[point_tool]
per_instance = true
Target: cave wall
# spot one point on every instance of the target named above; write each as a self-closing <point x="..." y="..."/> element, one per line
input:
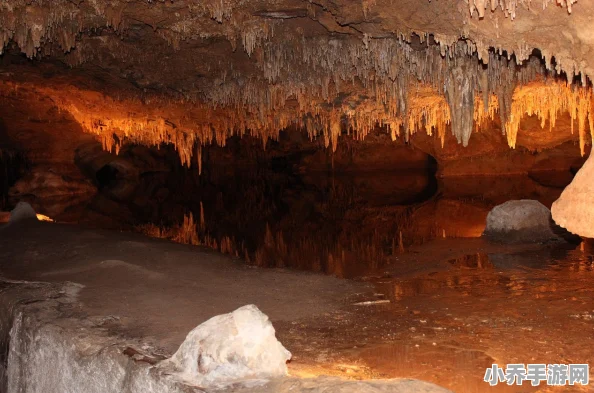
<point x="46" y="140"/>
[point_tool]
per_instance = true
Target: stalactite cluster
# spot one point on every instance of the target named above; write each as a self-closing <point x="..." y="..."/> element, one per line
<point x="547" y="102"/>
<point x="41" y="27"/>
<point x="327" y="83"/>
<point x="188" y="126"/>
<point x="509" y="6"/>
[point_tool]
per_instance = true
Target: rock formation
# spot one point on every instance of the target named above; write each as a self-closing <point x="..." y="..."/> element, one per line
<point x="520" y="221"/>
<point x="53" y="350"/>
<point x="573" y="210"/>
<point x="190" y="75"/>
<point x="230" y="348"/>
<point x="460" y="80"/>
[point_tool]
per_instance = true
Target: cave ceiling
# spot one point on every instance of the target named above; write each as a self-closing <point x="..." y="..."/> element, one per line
<point x="196" y="72"/>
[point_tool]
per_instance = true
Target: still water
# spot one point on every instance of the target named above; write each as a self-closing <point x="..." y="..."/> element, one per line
<point x="443" y="304"/>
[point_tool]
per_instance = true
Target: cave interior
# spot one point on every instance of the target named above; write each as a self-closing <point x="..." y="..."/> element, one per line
<point x="337" y="163"/>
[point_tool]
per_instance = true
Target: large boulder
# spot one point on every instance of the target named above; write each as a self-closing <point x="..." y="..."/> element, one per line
<point x="574" y="210"/>
<point x="520" y="221"/>
<point x="230" y="348"/>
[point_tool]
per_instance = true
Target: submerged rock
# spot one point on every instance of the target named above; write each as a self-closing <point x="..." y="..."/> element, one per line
<point x="22" y="211"/>
<point x="520" y="221"/>
<point x="230" y="348"/>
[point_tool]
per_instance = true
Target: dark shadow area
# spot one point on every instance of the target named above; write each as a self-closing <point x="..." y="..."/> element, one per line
<point x="13" y="165"/>
<point x="106" y="177"/>
<point x="564" y="233"/>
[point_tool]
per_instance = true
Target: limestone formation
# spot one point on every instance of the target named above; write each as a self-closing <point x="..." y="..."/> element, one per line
<point x="194" y="74"/>
<point x="574" y="210"/>
<point x="230" y="348"/>
<point x="520" y="221"/>
<point x="437" y="76"/>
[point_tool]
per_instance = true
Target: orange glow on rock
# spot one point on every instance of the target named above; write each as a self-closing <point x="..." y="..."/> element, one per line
<point x="43" y="217"/>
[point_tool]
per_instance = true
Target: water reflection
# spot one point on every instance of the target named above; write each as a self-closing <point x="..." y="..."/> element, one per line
<point x="386" y="188"/>
<point x="340" y="223"/>
<point x="462" y="367"/>
<point x="472" y="261"/>
<point x="538" y="272"/>
<point x="347" y="223"/>
<point x="516" y="305"/>
<point x="459" y="316"/>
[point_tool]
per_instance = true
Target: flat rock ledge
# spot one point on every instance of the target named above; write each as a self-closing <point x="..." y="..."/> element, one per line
<point x="54" y="347"/>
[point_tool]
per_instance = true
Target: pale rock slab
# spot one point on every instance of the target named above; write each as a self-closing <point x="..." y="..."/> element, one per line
<point x="325" y="384"/>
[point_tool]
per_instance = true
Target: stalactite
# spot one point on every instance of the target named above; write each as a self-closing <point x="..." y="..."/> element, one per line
<point x="582" y="112"/>
<point x="329" y="85"/>
<point x="430" y="112"/>
<point x="460" y="89"/>
<point x="503" y="79"/>
<point x="485" y="108"/>
<point x="367" y="4"/>
<point x="199" y="158"/>
<point x="35" y="23"/>
<point x="547" y="102"/>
